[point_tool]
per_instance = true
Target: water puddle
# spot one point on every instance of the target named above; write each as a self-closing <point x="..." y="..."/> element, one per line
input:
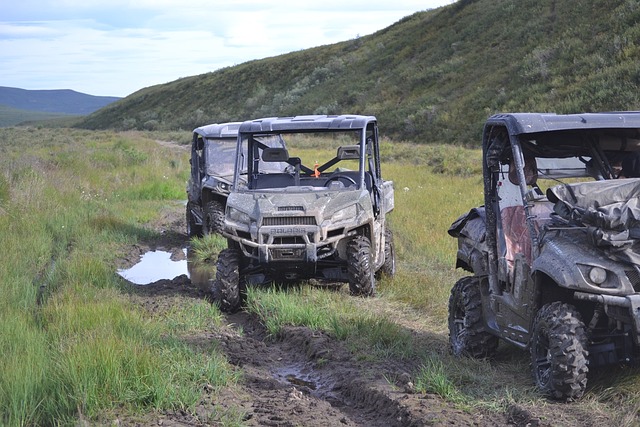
<point x="154" y="266"/>
<point x="158" y="265"/>
<point x="306" y="379"/>
<point x="201" y="275"/>
<point x="298" y="375"/>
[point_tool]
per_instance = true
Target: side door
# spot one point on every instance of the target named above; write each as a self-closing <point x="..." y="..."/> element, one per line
<point x="513" y="308"/>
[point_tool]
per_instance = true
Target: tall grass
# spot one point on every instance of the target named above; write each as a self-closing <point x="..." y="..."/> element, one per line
<point x="72" y="344"/>
<point x="329" y="311"/>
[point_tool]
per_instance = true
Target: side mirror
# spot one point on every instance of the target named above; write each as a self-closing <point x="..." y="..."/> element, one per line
<point x="198" y="143"/>
<point x="275" y="155"/>
<point x="348" y="152"/>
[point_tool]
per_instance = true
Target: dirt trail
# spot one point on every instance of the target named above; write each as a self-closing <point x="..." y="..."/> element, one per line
<point x="302" y="377"/>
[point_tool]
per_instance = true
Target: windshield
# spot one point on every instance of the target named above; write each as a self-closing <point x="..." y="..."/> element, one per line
<point x="221" y="156"/>
<point x="313" y="160"/>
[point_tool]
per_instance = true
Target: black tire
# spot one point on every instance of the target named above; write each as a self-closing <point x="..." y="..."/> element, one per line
<point x="193" y="229"/>
<point x="213" y="217"/>
<point x="559" y="355"/>
<point x="389" y="267"/>
<point x="362" y="281"/>
<point x="229" y="288"/>
<point x="467" y="333"/>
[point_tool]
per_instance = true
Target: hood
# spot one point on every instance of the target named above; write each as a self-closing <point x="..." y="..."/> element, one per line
<point x="321" y="204"/>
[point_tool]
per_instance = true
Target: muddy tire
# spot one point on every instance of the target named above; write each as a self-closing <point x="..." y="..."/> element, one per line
<point x="213" y="217"/>
<point x="360" y="267"/>
<point x="193" y="229"/>
<point x="389" y="267"/>
<point x="559" y="355"/>
<point x="228" y="290"/>
<point x="467" y="333"/>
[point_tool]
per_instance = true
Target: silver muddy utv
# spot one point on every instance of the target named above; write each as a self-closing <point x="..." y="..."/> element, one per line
<point x="554" y="253"/>
<point x="293" y="215"/>
<point x="213" y="158"/>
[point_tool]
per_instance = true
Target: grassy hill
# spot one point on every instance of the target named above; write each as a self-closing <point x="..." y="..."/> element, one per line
<point x="434" y="76"/>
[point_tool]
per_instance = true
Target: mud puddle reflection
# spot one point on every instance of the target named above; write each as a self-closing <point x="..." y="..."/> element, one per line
<point x="158" y="265"/>
<point x="154" y="266"/>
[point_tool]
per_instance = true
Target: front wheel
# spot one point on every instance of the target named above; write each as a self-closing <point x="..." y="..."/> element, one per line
<point x="360" y="267"/>
<point x="229" y="290"/>
<point x="559" y="355"/>
<point x="467" y="333"/>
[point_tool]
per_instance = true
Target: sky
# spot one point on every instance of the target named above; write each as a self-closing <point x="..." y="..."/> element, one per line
<point x="116" y="47"/>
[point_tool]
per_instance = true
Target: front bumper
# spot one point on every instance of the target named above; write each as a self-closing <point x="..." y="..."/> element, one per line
<point x="625" y="309"/>
<point x="300" y="244"/>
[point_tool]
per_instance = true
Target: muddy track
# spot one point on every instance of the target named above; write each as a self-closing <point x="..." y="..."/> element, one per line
<point x="298" y="378"/>
<point x="304" y="378"/>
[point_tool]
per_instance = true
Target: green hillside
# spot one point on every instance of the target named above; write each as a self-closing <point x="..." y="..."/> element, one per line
<point x="434" y="76"/>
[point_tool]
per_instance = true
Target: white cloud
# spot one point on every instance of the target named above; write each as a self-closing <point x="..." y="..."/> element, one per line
<point x="116" y="47"/>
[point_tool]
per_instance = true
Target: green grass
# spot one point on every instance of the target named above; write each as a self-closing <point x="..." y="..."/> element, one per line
<point x="206" y="249"/>
<point x="71" y="342"/>
<point x="433" y="377"/>
<point x="12" y="116"/>
<point x="329" y="311"/>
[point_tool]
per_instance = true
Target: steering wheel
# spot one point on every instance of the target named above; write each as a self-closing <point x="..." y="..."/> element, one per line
<point x="340" y="176"/>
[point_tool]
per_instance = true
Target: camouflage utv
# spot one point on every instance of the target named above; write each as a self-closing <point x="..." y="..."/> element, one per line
<point x="293" y="216"/>
<point x="212" y="161"/>
<point x="554" y="252"/>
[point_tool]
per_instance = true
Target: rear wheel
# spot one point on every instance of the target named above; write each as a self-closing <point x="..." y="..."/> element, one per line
<point x="213" y="217"/>
<point x="360" y="267"/>
<point x="467" y="334"/>
<point x="229" y="288"/>
<point x="559" y="356"/>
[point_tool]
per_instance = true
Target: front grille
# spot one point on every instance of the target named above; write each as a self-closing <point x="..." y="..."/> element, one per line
<point x="288" y="254"/>
<point x="634" y="278"/>
<point x="289" y="220"/>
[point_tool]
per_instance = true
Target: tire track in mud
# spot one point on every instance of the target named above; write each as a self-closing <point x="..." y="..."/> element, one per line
<point x="304" y="377"/>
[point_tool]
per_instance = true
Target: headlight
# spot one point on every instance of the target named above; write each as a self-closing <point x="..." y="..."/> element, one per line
<point x="236" y="215"/>
<point x="223" y="186"/>
<point x="597" y="275"/>
<point x="346" y="213"/>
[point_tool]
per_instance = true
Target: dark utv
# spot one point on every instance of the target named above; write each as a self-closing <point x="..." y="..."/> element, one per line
<point x="293" y="215"/>
<point x="554" y="252"/>
<point x="212" y="161"/>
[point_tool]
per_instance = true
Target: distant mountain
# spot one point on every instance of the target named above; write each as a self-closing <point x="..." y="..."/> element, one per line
<point x="62" y="101"/>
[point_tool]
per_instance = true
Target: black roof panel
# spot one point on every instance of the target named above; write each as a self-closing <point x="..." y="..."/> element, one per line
<point x="306" y="123"/>
<point x="523" y="123"/>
